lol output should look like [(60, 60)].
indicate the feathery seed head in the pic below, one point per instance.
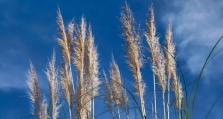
[(117, 89), (39, 106), (157, 57), (92, 64), (170, 54), (60, 23), (80, 37), (79, 62), (65, 38), (133, 47), (33, 85)]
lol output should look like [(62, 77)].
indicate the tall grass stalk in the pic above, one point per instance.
[(133, 54), (79, 63), (157, 59), (151, 37), (39, 105), (53, 87), (108, 98), (170, 63), (119, 97), (65, 43), (91, 70)]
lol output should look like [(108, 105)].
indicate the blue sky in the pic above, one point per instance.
[(28, 32)]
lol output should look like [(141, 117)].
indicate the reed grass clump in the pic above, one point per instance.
[(74, 96)]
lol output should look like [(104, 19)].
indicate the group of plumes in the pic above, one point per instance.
[(78, 51)]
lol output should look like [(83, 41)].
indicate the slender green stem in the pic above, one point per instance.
[(168, 100), (119, 116), (154, 96), (164, 106)]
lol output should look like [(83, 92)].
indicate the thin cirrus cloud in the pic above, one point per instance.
[(197, 26)]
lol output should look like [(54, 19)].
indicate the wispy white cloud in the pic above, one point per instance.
[(197, 26), (12, 70)]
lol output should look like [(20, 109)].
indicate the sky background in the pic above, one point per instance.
[(28, 32)]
